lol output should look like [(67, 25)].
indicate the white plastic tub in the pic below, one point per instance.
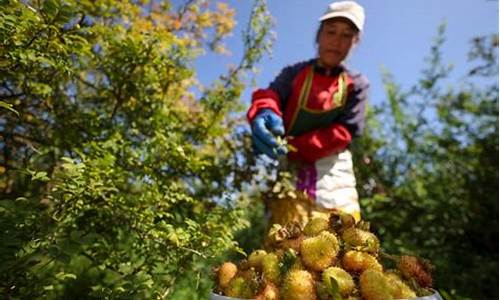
[(434, 296), (215, 296)]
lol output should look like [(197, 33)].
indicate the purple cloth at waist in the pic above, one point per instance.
[(306, 180)]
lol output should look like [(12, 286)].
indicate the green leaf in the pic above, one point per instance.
[(48, 287), (445, 295), (9, 107), (239, 250), (41, 176), (289, 259), (64, 276), (50, 7), (332, 287), (38, 88)]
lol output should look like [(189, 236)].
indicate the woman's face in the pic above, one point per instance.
[(335, 41)]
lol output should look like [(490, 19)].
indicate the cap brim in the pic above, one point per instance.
[(341, 15)]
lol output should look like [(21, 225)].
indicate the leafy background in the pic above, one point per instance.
[(119, 181)]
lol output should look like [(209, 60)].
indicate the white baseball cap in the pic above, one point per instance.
[(347, 9)]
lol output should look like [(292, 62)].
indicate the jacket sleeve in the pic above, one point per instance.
[(353, 116), (319, 143), (322, 142), (275, 96)]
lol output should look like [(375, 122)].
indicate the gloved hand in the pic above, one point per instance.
[(266, 126)]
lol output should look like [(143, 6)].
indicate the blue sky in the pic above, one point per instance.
[(397, 37)]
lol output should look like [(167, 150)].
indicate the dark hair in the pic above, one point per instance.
[(322, 24)]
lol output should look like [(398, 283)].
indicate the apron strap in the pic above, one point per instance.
[(304, 95), (340, 97)]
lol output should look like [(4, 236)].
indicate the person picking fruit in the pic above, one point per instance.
[(318, 107)]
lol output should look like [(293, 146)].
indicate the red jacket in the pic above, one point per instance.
[(330, 115)]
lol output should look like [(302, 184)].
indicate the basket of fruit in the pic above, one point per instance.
[(331, 258)]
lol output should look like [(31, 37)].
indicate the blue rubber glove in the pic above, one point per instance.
[(266, 126)]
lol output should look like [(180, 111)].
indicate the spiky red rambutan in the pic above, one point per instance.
[(416, 268)]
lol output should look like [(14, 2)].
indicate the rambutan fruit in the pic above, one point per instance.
[(269, 292), (226, 272), (299, 285), (238, 287), (271, 268), (344, 281), (361, 240), (399, 289), (255, 258), (319, 252), (358, 262), (315, 226), (374, 285), (416, 268)]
